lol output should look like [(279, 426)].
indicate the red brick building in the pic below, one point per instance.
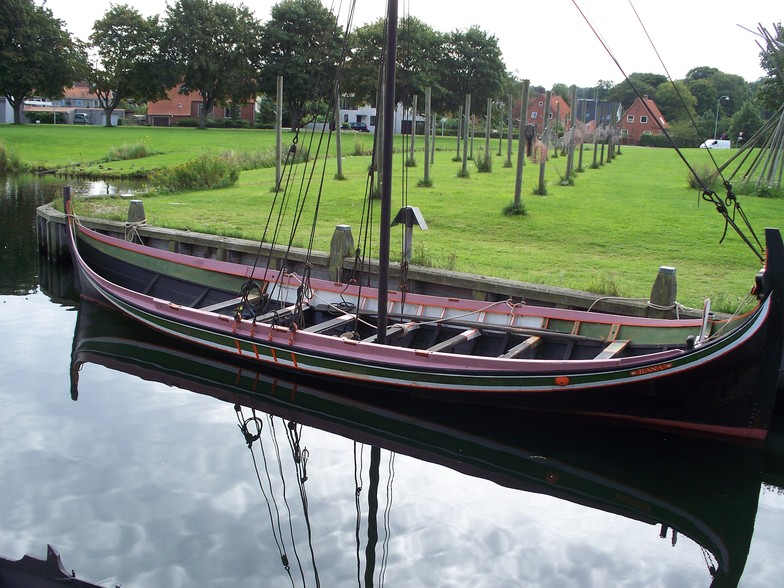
[(643, 117), (176, 106), (558, 109)]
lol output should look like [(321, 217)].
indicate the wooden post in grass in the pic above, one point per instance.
[(521, 145), (543, 152), (427, 135), (572, 130), (278, 131), (509, 128), (413, 129), (467, 115)]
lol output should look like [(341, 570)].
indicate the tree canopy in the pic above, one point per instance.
[(37, 54), (215, 49), (475, 66), (303, 43), (131, 64)]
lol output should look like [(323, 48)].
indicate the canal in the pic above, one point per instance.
[(146, 464)]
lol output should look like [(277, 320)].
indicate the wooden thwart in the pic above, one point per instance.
[(530, 343), (448, 344), (613, 349)]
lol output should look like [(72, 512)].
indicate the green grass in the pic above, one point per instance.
[(607, 233)]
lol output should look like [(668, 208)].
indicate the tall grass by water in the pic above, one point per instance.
[(608, 232)]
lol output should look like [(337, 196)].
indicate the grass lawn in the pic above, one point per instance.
[(607, 233)]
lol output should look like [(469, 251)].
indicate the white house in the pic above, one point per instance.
[(367, 114)]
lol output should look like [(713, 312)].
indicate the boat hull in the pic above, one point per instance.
[(724, 387)]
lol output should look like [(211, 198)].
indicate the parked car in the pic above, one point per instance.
[(715, 144), (81, 118), (359, 126)]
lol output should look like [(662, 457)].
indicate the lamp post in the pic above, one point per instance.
[(716, 125)]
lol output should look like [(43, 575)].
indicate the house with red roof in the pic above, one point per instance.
[(643, 117), (559, 110), (176, 106)]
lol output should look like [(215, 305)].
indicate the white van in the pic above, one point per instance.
[(716, 144), (81, 118)]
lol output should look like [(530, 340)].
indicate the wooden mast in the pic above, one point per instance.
[(386, 169)]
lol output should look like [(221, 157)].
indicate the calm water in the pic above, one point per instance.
[(124, 451)]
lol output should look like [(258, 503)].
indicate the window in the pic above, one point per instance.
[(345, 118), (643, 119), (78, 102), (541, 104), (629, 118), (372, 120), (533, 115), (646, 132), (624, 132)]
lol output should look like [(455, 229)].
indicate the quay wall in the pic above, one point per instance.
[(338, 265)]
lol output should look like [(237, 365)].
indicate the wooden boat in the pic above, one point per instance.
[(31, 572), (666, 480), (710, 376)]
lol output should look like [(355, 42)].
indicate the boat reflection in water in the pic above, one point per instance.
[(704, 489)]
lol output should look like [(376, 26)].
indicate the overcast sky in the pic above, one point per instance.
[(547, 41)]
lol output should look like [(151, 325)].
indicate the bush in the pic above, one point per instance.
[(45, 118), (705, 178), (9, 162), (204, 173), (187, 122), (125, 152)]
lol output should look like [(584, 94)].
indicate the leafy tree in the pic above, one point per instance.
[(361, 78), (216, 49), (561, 90), (644, 83), (301, 42), (37, 54), (131, 62), (747, 119), (472, 65), (420, 51), (770, 93), (702, 72), (704, 91), (675, 101)]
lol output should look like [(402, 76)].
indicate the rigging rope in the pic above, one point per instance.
[(723, 207), (250, 438)]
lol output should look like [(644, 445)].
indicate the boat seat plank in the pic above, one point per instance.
[(226, 304), (448, 344), (613, 349), (330, 324), (395, 331), (277, 314), (530, 343)]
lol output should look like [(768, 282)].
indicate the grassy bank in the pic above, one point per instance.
[(607, 233)]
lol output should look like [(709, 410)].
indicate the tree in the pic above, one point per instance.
[(748, 119), (675, 101), (420, 51), (131, 62), (644, 83), (301, 42), (216, 51), (37, 54), (770, 93), (472, 65)]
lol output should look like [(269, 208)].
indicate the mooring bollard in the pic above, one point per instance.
[(342, 244), (136, 218), (663, 294), (136, 212)]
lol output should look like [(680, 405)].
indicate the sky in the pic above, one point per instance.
[(548, 41)]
